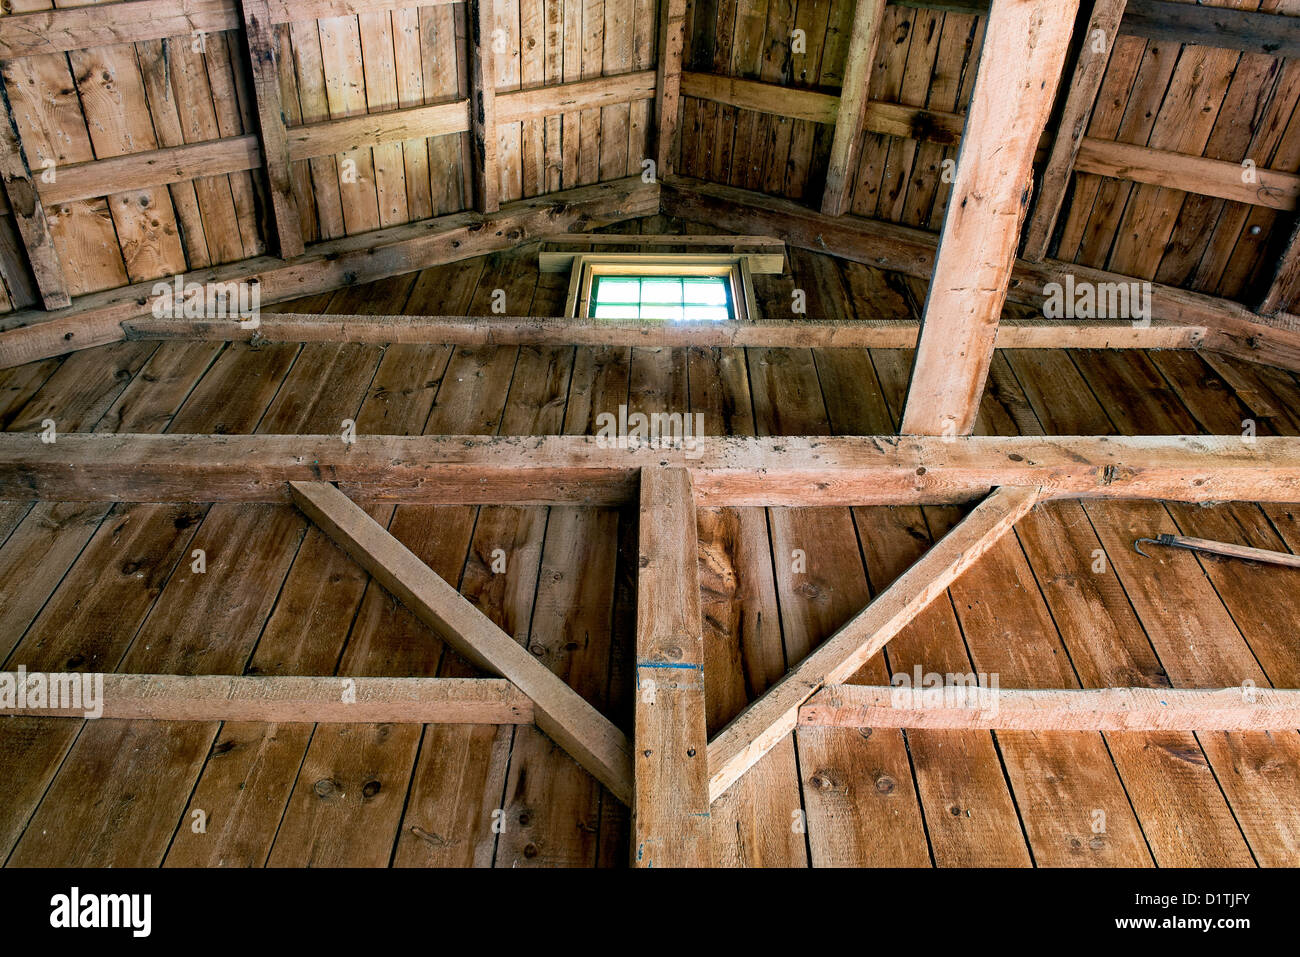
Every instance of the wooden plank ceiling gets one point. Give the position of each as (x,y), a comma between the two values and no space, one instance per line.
(147,129)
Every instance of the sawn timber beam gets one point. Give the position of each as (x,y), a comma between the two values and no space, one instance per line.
(591,470)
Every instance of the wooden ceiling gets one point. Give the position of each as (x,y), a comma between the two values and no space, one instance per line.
(166,136)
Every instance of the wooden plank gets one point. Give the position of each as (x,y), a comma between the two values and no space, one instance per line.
(560,712)
(670,808)
(867,17)
(977,248)
(586,470)
(275,699)
(96,319)
(260,38)
(668,82)
(1073,709)
(482,108)
(765,722)
(28,211)
(1085,84)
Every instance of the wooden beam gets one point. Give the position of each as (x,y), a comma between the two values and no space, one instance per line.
(372,129)
(482,107)
(260,38)
(139,171)
(1224,27)
(28,213)
(78,28)
(671,29)
(560,712)
(912,251)
(670,809)
(762,97)
(593,470)
(565,331)
(1085,84)
(1090,709)
(97,319)
(843,163)
(601,91)
(284,700)
(1195,174)
(1025,43)
(767,720)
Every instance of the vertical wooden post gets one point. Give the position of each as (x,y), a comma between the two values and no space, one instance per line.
(270,119)
(1103,29)
(29,214)
(1025,43)
(482,108)
(670,807)
(853,105)
(668,81)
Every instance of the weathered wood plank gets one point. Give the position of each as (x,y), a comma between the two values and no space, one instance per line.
(482,107)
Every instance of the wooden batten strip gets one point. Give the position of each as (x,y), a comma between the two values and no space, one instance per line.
(670,807)
(1091,709)
(284,700)
(28,211)
(767,720)
(1020,64)
(843,163)
(270,117)
(1085,84)
(762,97)
(559,711)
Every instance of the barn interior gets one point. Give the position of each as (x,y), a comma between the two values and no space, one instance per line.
(583,433)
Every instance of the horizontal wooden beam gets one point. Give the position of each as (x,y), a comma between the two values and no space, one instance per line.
(1274,189)
(791,102)
(964,707)
(79,28)
(560,712)
(773,715)
(593,470)
(1193,174)
(1177,22)
(911,251)
(96,319)
(560,331)
(280,700)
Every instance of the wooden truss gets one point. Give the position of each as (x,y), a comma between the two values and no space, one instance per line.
(667,770)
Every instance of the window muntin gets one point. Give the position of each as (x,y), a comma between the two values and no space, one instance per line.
(673,298)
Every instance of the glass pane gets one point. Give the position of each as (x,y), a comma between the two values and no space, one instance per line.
(661,290)
(616,312)
(711,291)
(710,313)
(618,290)
(658,311)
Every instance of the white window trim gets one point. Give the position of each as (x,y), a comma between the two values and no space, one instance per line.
(734,266)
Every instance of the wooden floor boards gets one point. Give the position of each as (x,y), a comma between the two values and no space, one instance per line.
(1063,602)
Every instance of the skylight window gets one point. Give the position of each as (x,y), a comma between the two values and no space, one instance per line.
(661,287)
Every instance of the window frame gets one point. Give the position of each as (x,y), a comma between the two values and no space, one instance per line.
(734,267)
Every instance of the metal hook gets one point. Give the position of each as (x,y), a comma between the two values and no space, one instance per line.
(1137,546)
